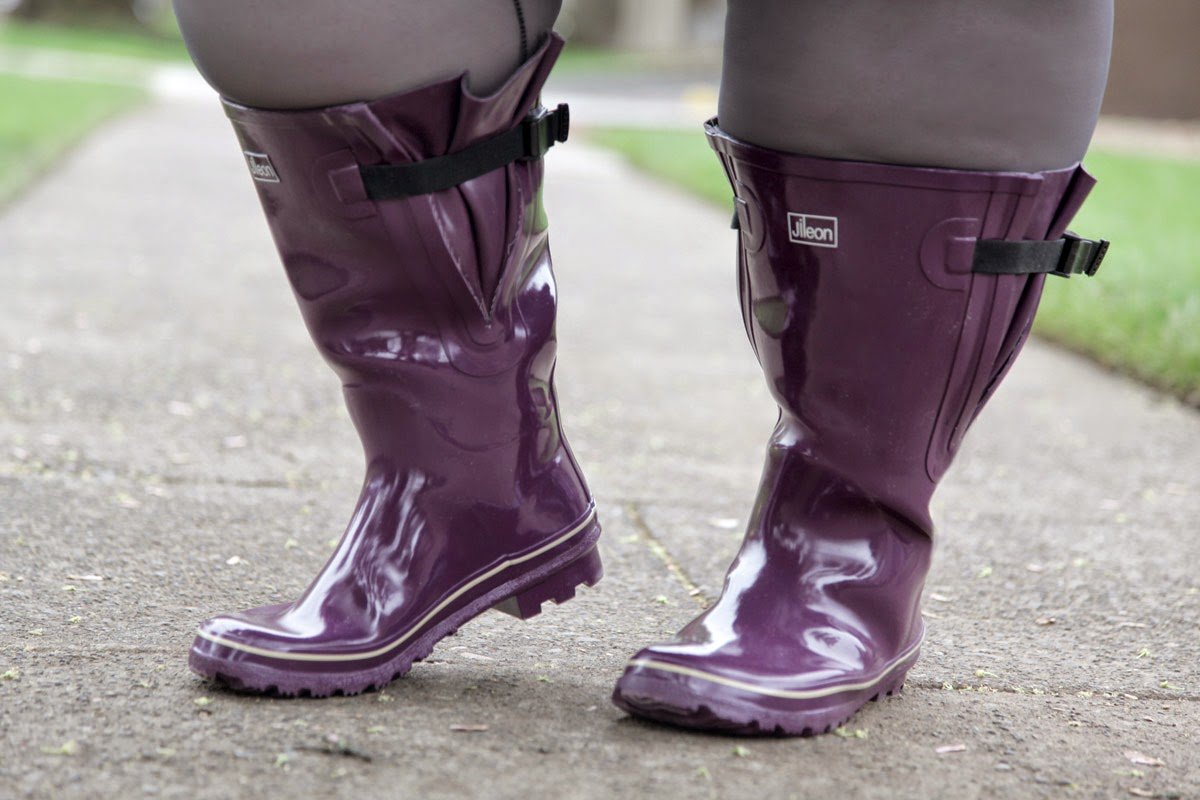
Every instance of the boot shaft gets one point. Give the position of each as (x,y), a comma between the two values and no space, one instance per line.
(437,310)
(878,342)
(446,266)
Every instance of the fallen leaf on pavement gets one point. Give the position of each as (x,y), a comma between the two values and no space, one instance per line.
(67,748)
(857,733)
(1144,760)
(179,408)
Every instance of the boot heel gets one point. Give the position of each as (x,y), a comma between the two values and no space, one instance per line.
(559,587)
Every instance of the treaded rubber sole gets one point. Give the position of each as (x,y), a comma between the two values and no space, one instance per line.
(522,596)
(701,705)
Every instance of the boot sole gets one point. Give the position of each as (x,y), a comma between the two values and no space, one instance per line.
(255,670)
(688,698)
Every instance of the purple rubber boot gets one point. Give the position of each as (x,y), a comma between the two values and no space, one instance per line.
(883,323)
(436,308)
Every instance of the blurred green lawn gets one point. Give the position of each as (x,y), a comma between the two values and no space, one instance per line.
(1140,314)
(40,118)
(98,41)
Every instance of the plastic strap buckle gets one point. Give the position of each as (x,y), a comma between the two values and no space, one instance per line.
(543,129)
(1080,256)
(529,141)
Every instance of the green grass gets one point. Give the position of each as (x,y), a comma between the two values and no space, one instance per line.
(113,42)
(41,118)
(585,59)
(1140,315)
(681,157)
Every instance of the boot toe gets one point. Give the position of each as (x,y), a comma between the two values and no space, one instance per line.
(735,695)
(677,690)
(229,640)
(254,627)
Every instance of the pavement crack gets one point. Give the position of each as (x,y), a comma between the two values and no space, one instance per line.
(662,554)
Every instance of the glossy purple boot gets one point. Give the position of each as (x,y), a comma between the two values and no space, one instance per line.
(882,326)
(426,283)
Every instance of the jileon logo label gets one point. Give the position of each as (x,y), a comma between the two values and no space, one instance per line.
(261,168)
(813,230)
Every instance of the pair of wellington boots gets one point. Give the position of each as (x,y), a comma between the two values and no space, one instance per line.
(884,304)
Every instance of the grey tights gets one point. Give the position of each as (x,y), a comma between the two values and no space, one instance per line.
(973,84)
(309,53)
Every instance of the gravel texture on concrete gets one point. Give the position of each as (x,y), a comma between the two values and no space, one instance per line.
(166,427)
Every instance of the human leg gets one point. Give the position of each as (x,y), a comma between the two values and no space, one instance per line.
(310,53)
(1011,85)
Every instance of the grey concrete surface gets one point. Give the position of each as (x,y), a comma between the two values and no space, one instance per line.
(166,426)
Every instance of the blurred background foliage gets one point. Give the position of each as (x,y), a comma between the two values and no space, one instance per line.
(148,17)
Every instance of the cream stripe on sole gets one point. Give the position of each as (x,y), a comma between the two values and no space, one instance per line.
(512,562)
(786,694)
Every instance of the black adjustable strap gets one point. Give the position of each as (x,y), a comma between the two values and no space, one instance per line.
(528,141)
(1070,255)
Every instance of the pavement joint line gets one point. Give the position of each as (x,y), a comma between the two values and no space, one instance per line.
(170,480)
(1057,693)
(241,483)
(22,470)
(662,554)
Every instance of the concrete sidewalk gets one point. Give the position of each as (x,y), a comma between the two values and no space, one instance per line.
(171,446)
